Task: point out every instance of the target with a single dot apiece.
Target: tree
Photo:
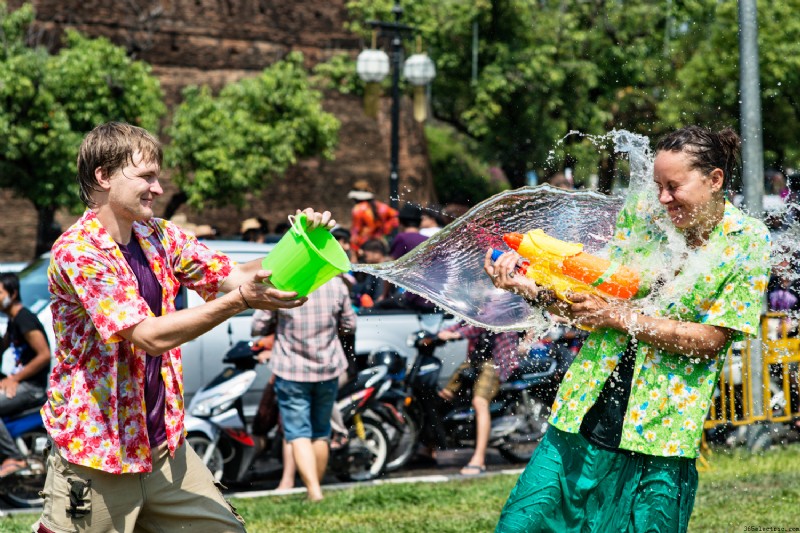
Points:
(226, 146)
(544, 68)
(706, 54)
(547, 67)
(50, 101)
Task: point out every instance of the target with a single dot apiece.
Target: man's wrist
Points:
(244, 299)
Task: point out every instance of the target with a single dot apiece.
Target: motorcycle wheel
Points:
(404, 437)
(519, 446)
(21, 489)
(201, 445)
(365, 459)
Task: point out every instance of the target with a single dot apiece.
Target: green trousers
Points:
(571, 485)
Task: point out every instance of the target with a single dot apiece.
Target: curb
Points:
(435, 478)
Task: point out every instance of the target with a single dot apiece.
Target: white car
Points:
(202, 357)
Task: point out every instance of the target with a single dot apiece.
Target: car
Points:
(202, 357)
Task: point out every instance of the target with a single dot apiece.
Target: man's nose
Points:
(156, 188)
(664, 196)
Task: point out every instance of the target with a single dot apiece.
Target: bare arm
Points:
(674, 336)
(156, 335)
(38, 342)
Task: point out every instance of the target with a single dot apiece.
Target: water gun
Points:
(564, 267)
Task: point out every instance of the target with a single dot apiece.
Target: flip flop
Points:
(10, 467)
(472, 470)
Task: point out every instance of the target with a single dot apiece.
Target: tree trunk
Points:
(47, 231)
(605, 177)
(177, 200)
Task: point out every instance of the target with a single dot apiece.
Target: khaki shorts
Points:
(178, 495)
(486, 386)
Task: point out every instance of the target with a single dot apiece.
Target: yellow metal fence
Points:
(733, 400)
(780, 384)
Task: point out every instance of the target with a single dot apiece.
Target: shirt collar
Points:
(733, 220)
(101, 238)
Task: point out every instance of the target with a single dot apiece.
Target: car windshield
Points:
(33, 285)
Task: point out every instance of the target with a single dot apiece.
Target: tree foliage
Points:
(547, 67)
(228, 145)
(706, 89)
(49, 101)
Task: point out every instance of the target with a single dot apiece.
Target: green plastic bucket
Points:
(303, 260)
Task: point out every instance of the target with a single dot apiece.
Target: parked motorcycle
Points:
(519, 412)
(218, 431)
(21, 489)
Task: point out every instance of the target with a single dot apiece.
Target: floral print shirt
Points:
(95, 408)
(721, 283)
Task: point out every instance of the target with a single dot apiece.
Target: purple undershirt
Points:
(154, 390)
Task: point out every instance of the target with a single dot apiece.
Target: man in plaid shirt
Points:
(494, 356)
(307, 359)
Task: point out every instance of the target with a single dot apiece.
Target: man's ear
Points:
(102, 178)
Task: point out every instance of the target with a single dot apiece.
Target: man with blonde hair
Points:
(114, 410)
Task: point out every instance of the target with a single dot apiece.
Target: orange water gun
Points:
(564, 267)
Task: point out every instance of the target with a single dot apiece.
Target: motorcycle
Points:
(21, 489)
(518, 413)
(218, 431)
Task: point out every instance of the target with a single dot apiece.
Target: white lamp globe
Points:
(419, 69)
(372, 65)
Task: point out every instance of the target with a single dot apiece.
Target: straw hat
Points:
(362, 190)
(250, 223)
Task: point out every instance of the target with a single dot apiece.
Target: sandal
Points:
(472, 470)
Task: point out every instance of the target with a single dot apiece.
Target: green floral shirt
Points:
(720, 283)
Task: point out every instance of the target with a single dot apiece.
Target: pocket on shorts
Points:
(68, 496)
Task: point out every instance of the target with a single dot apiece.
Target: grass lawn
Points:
(740, 490)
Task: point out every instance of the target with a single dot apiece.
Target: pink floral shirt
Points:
(95, 408)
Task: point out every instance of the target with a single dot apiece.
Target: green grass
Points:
(740, 490)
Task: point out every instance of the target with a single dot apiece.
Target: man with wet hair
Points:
(114, 410)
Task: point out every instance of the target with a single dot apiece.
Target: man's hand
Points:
(315, 219)
(448, 335)
(8, 386)
(260, 295)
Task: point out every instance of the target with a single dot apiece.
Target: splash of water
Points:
(447, 269)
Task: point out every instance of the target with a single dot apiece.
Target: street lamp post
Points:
(372, 66)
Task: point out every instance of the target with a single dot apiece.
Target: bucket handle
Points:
(297, 223)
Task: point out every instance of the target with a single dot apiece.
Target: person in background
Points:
(561, 181)
(370, 289)
(307, 360)
(776, 183)
(409, 236)
(254, 229)
(372, 219)
(342, 236)
(627, 422)
(25, 385)
(114, 409)
(431, 220)
(494, 357)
